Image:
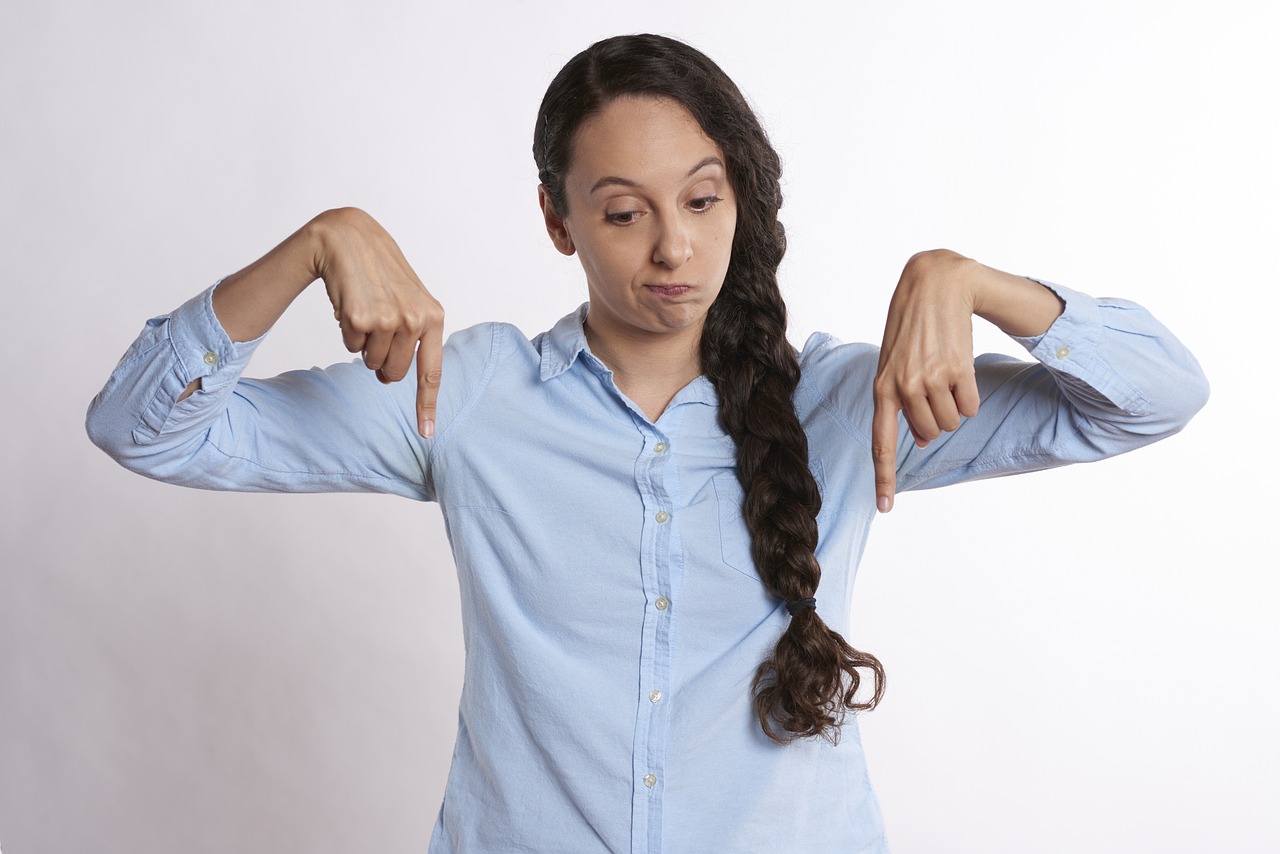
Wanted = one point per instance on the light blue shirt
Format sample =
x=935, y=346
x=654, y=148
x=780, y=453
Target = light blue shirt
x=612, y=614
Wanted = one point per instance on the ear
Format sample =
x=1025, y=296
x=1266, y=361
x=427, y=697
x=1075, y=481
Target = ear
x=555, y=225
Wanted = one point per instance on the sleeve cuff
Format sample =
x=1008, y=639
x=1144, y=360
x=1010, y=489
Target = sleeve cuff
x=1071, y=347
x=203, y=349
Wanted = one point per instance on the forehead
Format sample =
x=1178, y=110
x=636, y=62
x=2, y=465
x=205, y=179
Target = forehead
x=647, y=140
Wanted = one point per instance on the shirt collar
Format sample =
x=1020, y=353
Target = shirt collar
x=564, y=342
x=567, y=340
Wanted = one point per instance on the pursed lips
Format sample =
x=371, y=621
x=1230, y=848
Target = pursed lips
x=674, y=290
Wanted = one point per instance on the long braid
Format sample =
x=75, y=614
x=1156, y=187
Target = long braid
x=809, y=683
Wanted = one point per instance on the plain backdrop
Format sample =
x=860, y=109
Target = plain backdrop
x=1078, y=661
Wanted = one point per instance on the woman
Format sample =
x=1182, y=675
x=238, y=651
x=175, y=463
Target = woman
x=642, y=499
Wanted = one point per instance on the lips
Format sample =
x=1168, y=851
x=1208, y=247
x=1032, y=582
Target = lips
x=670, y=290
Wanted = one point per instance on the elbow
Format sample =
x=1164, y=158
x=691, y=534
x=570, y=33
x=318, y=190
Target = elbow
x=1185, y=394
x=106, y=432
x=1193, y=394
x=1199, y=395
x=112, y=431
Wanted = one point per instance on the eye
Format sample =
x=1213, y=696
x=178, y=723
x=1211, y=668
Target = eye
x=623, y=217
x=705, y=203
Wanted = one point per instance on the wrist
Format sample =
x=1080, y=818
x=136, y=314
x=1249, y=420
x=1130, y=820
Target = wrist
x=322, y=236
x=1015, y=304
x=958, y=274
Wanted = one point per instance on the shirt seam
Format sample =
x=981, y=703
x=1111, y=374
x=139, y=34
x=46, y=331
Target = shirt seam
x=470, y=402
x=905, y=481
x=320, y=476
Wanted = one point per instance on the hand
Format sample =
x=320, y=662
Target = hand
x=385, y=312
x=926, y=360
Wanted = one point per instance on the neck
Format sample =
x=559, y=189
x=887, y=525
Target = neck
x=649, y=369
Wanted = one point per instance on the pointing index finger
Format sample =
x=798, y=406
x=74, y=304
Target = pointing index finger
x=430, y=359
x=884, y=450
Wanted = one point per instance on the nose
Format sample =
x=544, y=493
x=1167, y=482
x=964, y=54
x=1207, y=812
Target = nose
x=673, y=245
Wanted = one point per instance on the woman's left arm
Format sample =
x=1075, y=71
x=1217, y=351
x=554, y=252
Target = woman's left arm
x=927, y=369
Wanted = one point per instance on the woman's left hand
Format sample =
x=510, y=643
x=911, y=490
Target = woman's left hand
x=926, y=358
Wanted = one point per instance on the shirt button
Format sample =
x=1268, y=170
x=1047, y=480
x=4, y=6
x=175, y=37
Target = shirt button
x=650, y=780
x=662, y=604
x=659, y=448
x=655, y=696
x=211, y=358
x=1063, y=352
x=661, y=516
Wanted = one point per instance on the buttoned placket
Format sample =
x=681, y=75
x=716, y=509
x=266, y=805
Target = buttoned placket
x=656, y=480
x=654, y=470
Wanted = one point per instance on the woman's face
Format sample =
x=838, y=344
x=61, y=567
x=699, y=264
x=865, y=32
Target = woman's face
x=651, y=216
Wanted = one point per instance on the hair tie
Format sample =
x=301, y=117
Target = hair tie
x=798, y=605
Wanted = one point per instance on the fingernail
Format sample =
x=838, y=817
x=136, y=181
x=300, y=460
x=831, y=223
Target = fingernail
x=883, y=503
x=428, y=428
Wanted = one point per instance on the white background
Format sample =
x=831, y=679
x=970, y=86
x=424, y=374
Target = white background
x=1079, y=661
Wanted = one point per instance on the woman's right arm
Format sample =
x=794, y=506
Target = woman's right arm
x=382, y=307
x=176, y=408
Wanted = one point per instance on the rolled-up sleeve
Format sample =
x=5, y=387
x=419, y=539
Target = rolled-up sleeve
x=1108, y=378
x=331, y=430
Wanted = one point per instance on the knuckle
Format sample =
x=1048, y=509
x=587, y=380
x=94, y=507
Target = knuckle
x=884, y=390
x=913, y=387
x=430, y=377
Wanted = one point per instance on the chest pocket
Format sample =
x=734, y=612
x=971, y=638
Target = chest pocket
x=735, y=539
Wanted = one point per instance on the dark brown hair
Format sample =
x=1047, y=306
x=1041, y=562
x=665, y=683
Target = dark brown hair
x=805, y=688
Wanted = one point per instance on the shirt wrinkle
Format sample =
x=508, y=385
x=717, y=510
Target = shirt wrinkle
x=613, y=617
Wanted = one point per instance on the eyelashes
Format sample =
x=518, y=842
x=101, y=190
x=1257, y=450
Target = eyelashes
x=706, y=203
x=702, y=204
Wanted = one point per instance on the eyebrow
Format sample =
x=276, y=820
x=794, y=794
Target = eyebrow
x=614, y=180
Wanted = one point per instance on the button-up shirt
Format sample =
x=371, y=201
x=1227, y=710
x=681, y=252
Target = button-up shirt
x=613, y=617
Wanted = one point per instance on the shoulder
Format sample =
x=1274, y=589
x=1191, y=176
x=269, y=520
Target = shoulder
x=835, y=374
x=483, y=341
x=472, y=355
x=477, y=357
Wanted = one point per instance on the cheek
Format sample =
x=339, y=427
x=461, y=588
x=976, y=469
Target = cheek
x=621, y=253
x=605, y=263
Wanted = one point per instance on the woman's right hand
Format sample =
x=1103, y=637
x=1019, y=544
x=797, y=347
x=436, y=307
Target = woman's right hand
x=382, y=307
x=385, y=312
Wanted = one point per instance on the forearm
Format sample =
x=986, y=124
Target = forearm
x=1016, y=305
x=248, y=303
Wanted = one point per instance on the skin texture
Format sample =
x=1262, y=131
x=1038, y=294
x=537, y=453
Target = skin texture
x=649, y=207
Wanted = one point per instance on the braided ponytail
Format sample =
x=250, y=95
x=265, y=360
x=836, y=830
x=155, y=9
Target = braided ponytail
x=809, y=683
x=805, y=688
